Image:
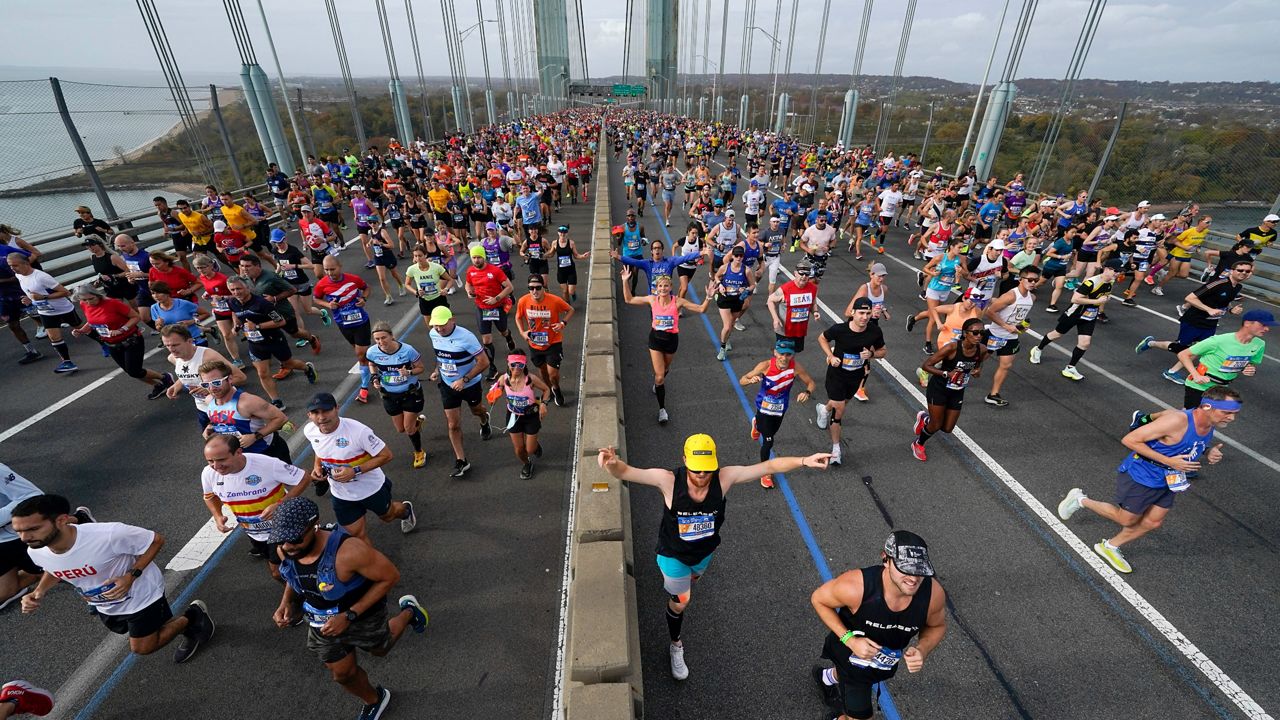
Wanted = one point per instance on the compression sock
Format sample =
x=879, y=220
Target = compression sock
x=364, y=376
x=1077, y=352
x=415, y=437
x=661, y=390
x=924, y=436
x=511, y=343
x=674, y=621
x=1044, y=342
x=63, y=352
x=766, y=447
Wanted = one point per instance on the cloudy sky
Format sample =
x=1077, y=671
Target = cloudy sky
x=1175, y=40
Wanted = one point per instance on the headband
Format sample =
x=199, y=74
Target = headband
x=1223, y=405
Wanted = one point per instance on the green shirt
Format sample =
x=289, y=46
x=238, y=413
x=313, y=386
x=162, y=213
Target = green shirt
x=1224, y=357
x=1022, y=259
x=427, y=281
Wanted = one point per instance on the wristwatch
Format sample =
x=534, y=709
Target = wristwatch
x=135, y=573
x=352, y=615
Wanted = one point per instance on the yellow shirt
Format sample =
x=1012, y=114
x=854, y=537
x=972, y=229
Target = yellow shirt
x=196, y=223
x=239, y=219
x=439, y=199
x=1192, y=238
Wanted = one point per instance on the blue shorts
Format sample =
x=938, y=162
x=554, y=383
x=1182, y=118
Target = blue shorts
x=677, y=577
x=1190, y=335
x=349, y=511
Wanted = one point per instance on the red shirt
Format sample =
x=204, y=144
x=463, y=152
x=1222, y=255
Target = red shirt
x=177, y=278
x=797, y=308
x=485, y=283
x=314, y=233
x=108, y=317
x=231, y=243
x=215, y=289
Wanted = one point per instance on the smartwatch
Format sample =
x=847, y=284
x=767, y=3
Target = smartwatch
x=352, y=615
x=135, y=573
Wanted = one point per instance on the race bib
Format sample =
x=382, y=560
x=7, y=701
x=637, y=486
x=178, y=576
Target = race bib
x=491, y=314
x=104, y=331
x=1176, y=480
x=254, y=335
x=1235, y=363
x=798, y=315
x=851, y=362
x=350, y=316
x=957, y=380
x=44, y=307
x=697, y=526
x=427, y=287
x=664, y=322
x=995, y=343
x=1090, y=313
x=219, y=304
x=539, y=337
x=393, y=378
x=316, y=617
x=772, y=406
x=565, y=261
x=448, y=368
x=885, y=659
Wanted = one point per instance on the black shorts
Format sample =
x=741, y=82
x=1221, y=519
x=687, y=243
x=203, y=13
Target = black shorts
x=409, y=401
x=797, y=341
x=551, y=355
x=1066, y=322
x=567, y=275
x=333, y=217
x=426, y=306
x=387, y=259
x=856, y=685
x=349, y=511
x=767, y=425
x=317, y=256
x=369, y=632
x=939, y=395
x=731, y=303
x=304, y=289
x=664, y=341
x=53, y=322
x=487, y=326
x=395, y=223
x=269, y=549
x=1049, y=273
x=13, y=554
x=842, y=384
x=453, y=399
x=1135, y=497
x=277, y=348
x=357, y=335
x=144, y=623
x=181, y=242
x=1086, y=256
x=1191, y=398
x=528, y=423
x=1009, y=348
x=908, y=202
x=682, y=271
x=538, y=266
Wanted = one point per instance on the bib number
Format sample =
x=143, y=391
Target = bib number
x=539, y=337
x=1176, y=480
x=316, y=617
x=664, y=322
x=696, y=527
x=851, y=362
x=565, y=261
x=772, y=407
x=491, y=314
x=1090, y=313
x=995, y=343
x=254, y=335
x=885, y=659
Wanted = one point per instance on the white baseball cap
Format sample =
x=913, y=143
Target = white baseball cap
x=1271, y=218
x=730, y=213
x=1111, y=217
x=996, y=244
x=219, y=225
x=1159, y=216
x=1144, y=203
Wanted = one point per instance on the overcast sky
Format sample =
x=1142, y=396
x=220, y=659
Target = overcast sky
x=1175, y=40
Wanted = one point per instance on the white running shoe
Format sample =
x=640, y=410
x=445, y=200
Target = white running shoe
x=679, y=670
x=662, y=416
x=836, y=456
x=409, y=522
x=739, y=326
x=1034, y=356
x=1070, y=504
x=1158, y=291
x=1070, y=372
x=824, y=416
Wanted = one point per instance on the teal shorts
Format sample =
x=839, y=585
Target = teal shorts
x=677, y=578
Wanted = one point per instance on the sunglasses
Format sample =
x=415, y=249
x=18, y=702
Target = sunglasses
x=214, y=384
x=516, y=365
x=974, y=332
x=536, y=288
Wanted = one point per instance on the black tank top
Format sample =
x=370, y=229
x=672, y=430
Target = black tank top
x=103, y=266
x=690, y=530
x=892, y=631
x=959, y=367
x=308, y=579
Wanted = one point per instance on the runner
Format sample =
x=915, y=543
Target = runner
x=187, y=357
x=1181, y=247
x=19, y=697
x=112, y=565
x=873, y=614
x=566, y=252
x=277, y=291
x=1206, y=306
x=694, y=497
x=796, y=297
x=292, y=265
x=776, y=376
x=541, y=319
x=397, y=367
x=339, y=585
x=252, y=486
x=219, y=297
x=263, y=329
x=664, y=329
x=115, y=325
x=944, y=271
x=1163, y=453
x=527, y=397
x=1087, y=302
x=816, y=242
x=348, y=460
x=345, y=296
x=460, y=361
x=1220, y=359
x=1007, y=316
x=771, y=237
x=656, y=265
x=491, y=289
x=951, y=368
x=232, y=411
x=18, y=574
x=52, y=303
x=734, y=284
x=848, y=347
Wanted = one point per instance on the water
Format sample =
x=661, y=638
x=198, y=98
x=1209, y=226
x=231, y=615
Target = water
x=38, y=214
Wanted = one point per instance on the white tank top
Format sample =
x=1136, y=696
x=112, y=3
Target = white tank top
x=877, y=301
x=1014, y=313
x=727, y=236
x=188, y=373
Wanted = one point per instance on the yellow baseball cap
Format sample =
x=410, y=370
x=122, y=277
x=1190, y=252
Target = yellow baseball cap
x=700, y=453
x=441, y=315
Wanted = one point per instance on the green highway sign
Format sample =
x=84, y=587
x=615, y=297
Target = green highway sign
x=620, y=90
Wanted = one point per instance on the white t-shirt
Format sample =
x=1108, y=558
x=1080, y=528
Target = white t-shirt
x=819, y=240
x=556, y=168
x=255, y=488
x=188, y=373
x=752, y=199
x=103, y=551
x=40, y=282
x=350, y=444
x=889, y=202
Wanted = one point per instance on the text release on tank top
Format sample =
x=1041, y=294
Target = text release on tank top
x=891, y=629
x=103, y=551
x=351, y=444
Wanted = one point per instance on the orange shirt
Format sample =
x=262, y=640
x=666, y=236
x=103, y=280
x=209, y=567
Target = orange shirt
x=538, y=317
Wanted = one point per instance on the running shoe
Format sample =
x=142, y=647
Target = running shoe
x=1051, y=309
x=486, y=430
x=419, y=459
x=409, y=521
x=1149, y=280
x=314, y=342
x=300, y=343
x=857, y=257
x=1135, y=420
x=922, y=418
x=312, y=375
x=928, y=348
x=374, y=710
x=558, y=396
x=837, y=457
x=159, y=388
x=1144, y=344
x=363, y=395
x=1114, y=557
x=324, y=317
x=419, y=620
x=41, y=333
x=880, y=249
x=755, y=434
x=460, y=468
x=369, y=265
x=663, y=416
x=861, y=395
x=66, y=366
x=824, y=416
x=1181, y=309
x=911, y=323
x=1157, y=291
x=679, y=670
x=1070, y=504
x=84, y=515
x=237, y=362
x=720, y=354
x=830, y=693
x=526, y=471
x=282, y=373
x=766, y=482
x=279, y=404
x=1206, y=274
x=1034, y=355
x=26, y=698
x=30, y=357
x=1129, y=302
x=737, y=325
x=995, y=399
x=1172, y=377
x=918, y=451
x=1071, y=373
x=920, y=278
x=198, y=631
x=388, y=301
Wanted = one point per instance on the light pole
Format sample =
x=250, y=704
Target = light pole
x=777, y=48
x=564, y=79
x=489, y=108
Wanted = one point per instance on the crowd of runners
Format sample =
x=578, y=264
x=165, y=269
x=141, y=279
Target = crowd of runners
x=756, y=216
x=246, y=282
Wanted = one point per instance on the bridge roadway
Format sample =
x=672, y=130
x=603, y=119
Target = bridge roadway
x=1036, y=628
x=486, y=558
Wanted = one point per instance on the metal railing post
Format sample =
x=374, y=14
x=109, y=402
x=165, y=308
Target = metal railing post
x=89, y=170
x=226, y=138
x=1106, y=154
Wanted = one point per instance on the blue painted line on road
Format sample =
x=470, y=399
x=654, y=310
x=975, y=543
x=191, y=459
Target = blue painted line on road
x=887, y=705
x=189, y=590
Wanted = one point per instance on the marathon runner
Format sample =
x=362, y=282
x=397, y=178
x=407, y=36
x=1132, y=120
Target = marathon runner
x=115, y=325
x=18, y=574
x=566, y=252
x=541, y=319
x=848, y=346
x=1220, y=359
x=396, y=367
x=1087, y=302
x=345, y=295
x=187, y=357
x=1206, y=306
x=694, y=497
x=219, y=297
x=232, y=411
x=734, y=283
x=263, y=329
x=52, y=303
x=776, y=376
x=664, y=332
x=527, y=397
x=460, y=361
x=1007, y=316
x=950, y=369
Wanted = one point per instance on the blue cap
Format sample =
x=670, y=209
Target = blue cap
x=292, y=518
x=787, y=347
x=718, y=202
x=1260, y=316
x=277, y=235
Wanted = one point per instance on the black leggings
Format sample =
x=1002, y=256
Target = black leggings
x=767, y=426
x=128, y=355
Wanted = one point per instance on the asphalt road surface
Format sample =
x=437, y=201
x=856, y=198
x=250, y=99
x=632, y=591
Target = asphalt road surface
x=1036, y=626
x=486, y=558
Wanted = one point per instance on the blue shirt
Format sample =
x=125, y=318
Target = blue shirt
x=530, y=210
x=783, y=209
x=180, y=311
x=456, y=354
x=653, y=269
x=989, y=212
x=393, y=369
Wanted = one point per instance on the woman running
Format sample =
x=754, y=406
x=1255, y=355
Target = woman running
x=691, y=243
x=952, y=366
x=219, y=297
x=875, y=290
x=396, y=367
x=943, y=272
x=735, y=282
x=428, y=280
x=292, y=265
x=115, y=325
x=384, y=258
x=566, y=253
x=776, y=376
x=955, y=315
x=168, y=310
x=527, y=400
x=664, y=333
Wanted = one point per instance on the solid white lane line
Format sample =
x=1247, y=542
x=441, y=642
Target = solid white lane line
x=1139, y=603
